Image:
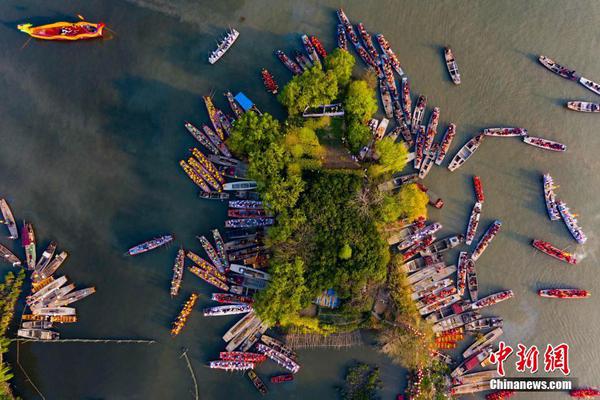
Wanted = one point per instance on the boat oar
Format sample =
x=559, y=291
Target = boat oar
x=26, y=43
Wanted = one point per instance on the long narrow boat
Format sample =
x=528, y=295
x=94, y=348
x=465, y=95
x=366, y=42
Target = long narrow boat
x=75, y=296
x=571, y=222
x=231, y=365
x=212, y=115
x=443, y=245
x=184, y=314
x=318, y=46
x=472, y=281
x=385, y=46
x=350, y=33
x=55, y=311
x=279, y=346
x=48, y=270
x=255, y=204
x=9, y=219
x=583, y=106
x=414, y=250
x=230, y=309
x=342, y=40
x=177, y=272
x=225, y=122
x=420, y=140
x=204, y=265
x=553, y=251
x=150, y=245
x=432, y=128
x=433, y=289
x=269, y=81
x=46, y=257
x=241, y=185
x=195, y=177
x=9, y=257
x=482, y=342
x=242, y=356
x=257, y=382
x=47, y=289
x=406, y=100
x=418, y=113
x=484, y=323
x=37, y=324
x=445, y=144
x=564, y=293
x=310, y=50
x=38, y=334
x=466, y=152
x=455, y=321
x=558, y=69
x=249, y=222
x=302, y=60
x=461, y=272
x=428, y=162
x=230, y=298
x=201, y=171
x=248, y=320
x=235, y=107
x=441, y=303
x=207, y=164
x=475, y=377
x=419, y=235
x=452, y=66
x=425, y=272
x=591, y=85
x=28, y=242
x=279, y=358
x=289, y=64
x=212, y=253
x=492, y=299
x=201, y=138
x=478, y=189
x=220, y=246
x=386, y=98
x=216, y=140
x=282, y=378
x=367, y=41
x=224, y=45
x=64, y=31
x=472, y=362
x=544, y=143
x=473, y=223
x=505, y=132
x=550, y=197
x=486, y=239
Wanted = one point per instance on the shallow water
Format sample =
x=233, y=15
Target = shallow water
x=91, y=134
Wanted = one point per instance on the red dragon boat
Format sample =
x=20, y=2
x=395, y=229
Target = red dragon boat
x=282, y=378
x=230, y=298
x=585, y=393
x=318, y=46
x=478, y=189
x=564, y=293
x=64, y=30
x=242, y=356
x=269, y=81
x=553, y=251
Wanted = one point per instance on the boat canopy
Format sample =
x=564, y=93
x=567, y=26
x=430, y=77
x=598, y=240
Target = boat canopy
x=244, y=101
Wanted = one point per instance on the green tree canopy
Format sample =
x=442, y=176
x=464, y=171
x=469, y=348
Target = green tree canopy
x=341, y=63
x=253, y=133
x=314, y=87
x=358, y=135
x=391, y=157
x=283, y=298
x=412, y=202
x=345, y=252
x=360, y=102
x=302, y=142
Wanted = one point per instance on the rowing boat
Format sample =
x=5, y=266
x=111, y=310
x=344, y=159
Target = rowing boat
x=445, y=144
x=9, y=257
x=553, y=251
x=492, y=299
x=484, y=323
x=68, y=31
x=419, y=146
x=591, y=85
x=406, y=100
x=466, y=152
x=418, y=113
x=9, y=219
x=558, y=69
x=544, y=143
x=28, y=242
x=432, y=128
x=473, y=223
x=550, y=198
x=564, y=293
x=342, y=41
x=482, y=342
x=472, y=362
x=478, y=189
x=472, y=281
x=571, y=222
x=486, y=239
x=505, y=132
x=452, y=66
x=583, y=106
x=461, y=272
x=386, y=98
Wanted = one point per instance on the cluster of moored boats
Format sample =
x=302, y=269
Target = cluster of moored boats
x=50, y=300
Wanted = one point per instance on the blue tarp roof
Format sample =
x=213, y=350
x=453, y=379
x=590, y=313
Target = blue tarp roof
x=244, y=101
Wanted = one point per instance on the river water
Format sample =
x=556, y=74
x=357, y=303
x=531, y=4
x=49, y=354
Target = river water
x=91, y=134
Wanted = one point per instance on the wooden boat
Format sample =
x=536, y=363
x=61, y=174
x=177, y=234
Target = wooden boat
x=269, y=81
x=433, y=289
x=420, y=140
x=224, y=45
x=571, y=222
x=9, y=257
x=385, y=46
x=38, y=334
x=583, y=106
x=475, y=377
x=50, y=268
x=461, y=272
x=388, y=73
x=445, y=144
x=446, y=301
x=381, y=128
x=425, y=272
x=249, y=222
x=386, y=98
x=279, y=346
x=482, y=342
x=550, y=198
x=558, y=69
x=282, y=378
x=229, y=309
x=431, y=276
x=240, y=185
x=418, y=113
x=302, y=60
x=342, y=41
x=248, y=320
x=230, y=298
x=279, y=357
x=473, y=223
x=484, y=323
x=318, y=46
x=436, y=296
x=452, y=66
x=466, y=152
x=9, y=219
x=209, y=277
x=177, y=272
x=69, y=31
x=492, y=299
x=486, y=239
x=414, y=250
x=564, y=293
x=478, y=189
x=406, y=100
x=216, y=140
x=420, y=235
x=213, y=195
x=432, y=128
x=591, y=85
x=207, y=165
x=235, y=107
x=310, y=50
x=184, y=314
x=150, y=245
x=226, y=161
x=242, y=356
x=505, y=132
x=443, y=245
x=46, y=256
x=291, y=65
x=231, y=365
x=367, y=41
x=195, y=176
x=28, y=242
x=553, y=251
x=544, y=143
x=455, y=321
x=201, y=138
x=203, y=172
x=472, y=362
x=213, y=115
x=54, y=311
x=472, y=282
x=257, y=382
x=37, y=324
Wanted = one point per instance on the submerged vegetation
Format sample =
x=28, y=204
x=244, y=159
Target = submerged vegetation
x=10, y=290
x=362, y=383
x=329, y=221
